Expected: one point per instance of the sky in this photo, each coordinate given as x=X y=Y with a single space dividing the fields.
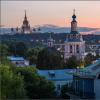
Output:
x=50 y=12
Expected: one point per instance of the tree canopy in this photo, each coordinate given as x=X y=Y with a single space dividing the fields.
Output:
x=72 y=62
x=12 y=85
x=18 y=49
x=49 y=58
x=23 y=83
x=32 y=54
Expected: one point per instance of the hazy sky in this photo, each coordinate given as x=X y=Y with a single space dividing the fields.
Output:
x=50 y=12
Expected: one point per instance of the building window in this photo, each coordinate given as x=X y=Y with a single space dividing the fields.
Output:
x=77 y=48
x=71 y=48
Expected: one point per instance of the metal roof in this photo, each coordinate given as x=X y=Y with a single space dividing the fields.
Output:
x=90 y=71
x=13 y=58
x=58 y=75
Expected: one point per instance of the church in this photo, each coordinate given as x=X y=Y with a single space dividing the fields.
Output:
x=74 y=45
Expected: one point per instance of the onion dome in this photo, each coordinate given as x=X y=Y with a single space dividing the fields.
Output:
x=74 y=16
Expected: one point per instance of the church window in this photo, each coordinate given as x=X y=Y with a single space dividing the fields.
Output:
x=77 y=48
x=71 y=48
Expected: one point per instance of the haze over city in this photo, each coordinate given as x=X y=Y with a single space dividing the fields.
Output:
x=50 y=12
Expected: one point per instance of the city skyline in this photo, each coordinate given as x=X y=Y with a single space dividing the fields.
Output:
x=50 y=12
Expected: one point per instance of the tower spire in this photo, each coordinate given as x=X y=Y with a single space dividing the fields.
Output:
x=25 y=15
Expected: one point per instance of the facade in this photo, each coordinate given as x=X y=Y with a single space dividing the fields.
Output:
x=86 y=82
x=58 y=77
x=83 y=86
x=74 y=44
x=25 y=27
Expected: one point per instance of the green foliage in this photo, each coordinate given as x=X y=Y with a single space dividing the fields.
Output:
x=12 y=85
x=36 y=86
x=88 y=59
x=64 y=90
x=18 y=49
x=23 y=83
x=32 y=54
x=3 y=51
x=49 y=58
x=72 y=62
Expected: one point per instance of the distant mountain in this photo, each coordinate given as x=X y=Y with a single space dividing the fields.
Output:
x=56 y=29
x=47 y=26
x=5 y=30
x=96 y=32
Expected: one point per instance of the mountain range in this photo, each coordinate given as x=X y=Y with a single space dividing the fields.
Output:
x=57 y=29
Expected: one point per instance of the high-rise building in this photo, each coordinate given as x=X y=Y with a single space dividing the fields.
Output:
x=26 y=26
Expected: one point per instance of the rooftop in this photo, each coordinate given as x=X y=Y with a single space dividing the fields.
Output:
x=90 y=71
x=57 y=75
x=13 y=58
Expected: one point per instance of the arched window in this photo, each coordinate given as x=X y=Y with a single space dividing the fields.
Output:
x=77 y=48
x=71 y=48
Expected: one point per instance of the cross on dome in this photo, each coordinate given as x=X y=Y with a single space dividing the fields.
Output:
x=74 y=16
x=73 y=11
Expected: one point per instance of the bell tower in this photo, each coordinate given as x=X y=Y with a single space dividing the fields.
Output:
x=74 y=22
x=50 y=42
x=74 y=44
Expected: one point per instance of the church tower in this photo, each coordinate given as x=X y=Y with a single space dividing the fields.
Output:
x=74 y=44
x=25 y=26
x=50 y=42
x=74 y=23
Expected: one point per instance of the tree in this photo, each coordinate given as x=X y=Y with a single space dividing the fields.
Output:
x=64 y=90
x=12 y=85
x=12 y=29
x=72 y=62
x=24 y=83
x=39 y=29
x=18 y=49
x=88 y=59
x=3 y=52
x=32 y=54
x=37 y=87
x=49 y=58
